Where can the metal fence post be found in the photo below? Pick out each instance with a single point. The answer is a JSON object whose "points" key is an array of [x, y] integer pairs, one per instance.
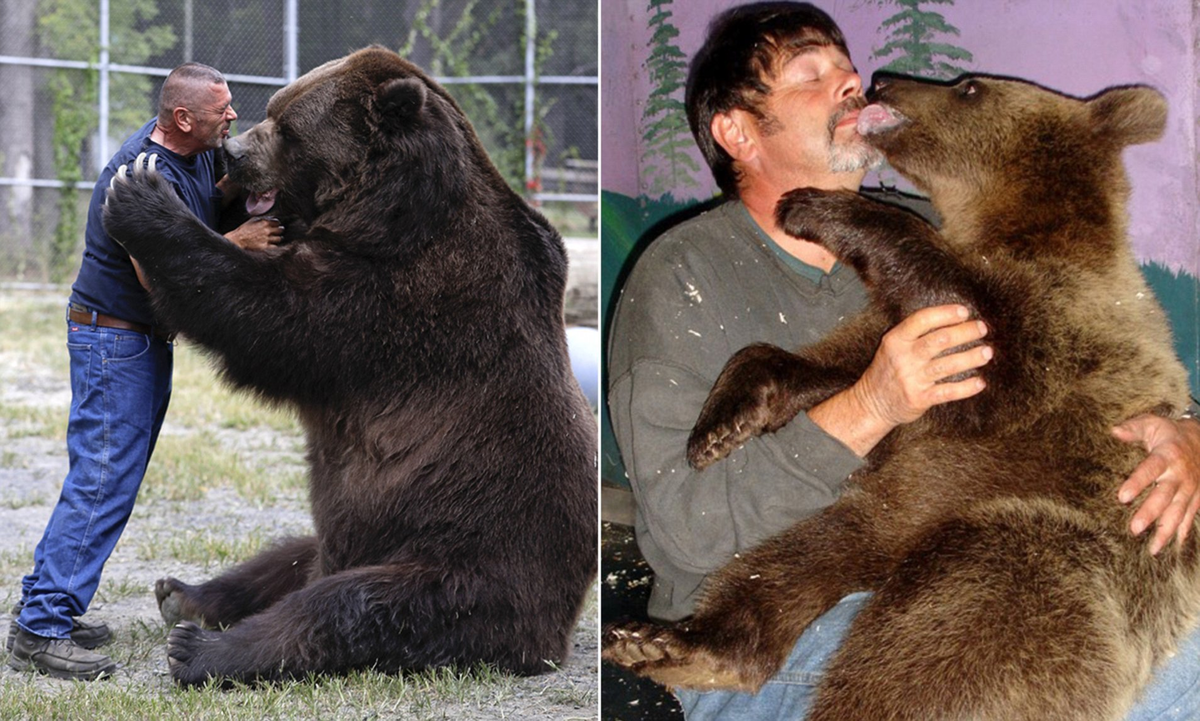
{"points": [[291, 30], [102, 141], [530, 62]]}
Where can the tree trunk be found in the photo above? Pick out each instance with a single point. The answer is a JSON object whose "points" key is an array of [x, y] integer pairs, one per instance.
{"points": [[17, 18]]}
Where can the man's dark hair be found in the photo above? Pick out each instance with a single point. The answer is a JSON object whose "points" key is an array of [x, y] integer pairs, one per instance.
{"points": [[745, 47], [181, 87]]}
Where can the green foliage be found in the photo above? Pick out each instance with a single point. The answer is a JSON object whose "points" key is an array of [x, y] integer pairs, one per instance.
{"points": [[67, 29], [911, 44], [500, 126], [667, 164]]}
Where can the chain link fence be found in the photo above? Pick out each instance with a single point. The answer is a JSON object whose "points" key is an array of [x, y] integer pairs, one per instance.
{"points": [[78, 76]]}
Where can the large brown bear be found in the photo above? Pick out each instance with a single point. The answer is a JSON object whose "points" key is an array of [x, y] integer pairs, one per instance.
{"points": [[1007, 585], [413, 319]]}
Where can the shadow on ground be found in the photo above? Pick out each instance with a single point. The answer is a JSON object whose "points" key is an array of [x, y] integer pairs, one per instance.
{"points": [[623, 595]]}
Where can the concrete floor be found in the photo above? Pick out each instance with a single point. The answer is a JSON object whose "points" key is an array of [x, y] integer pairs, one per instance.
{"points": [[624, 591]]}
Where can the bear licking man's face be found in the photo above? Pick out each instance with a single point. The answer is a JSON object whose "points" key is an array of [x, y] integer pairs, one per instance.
{"points": [[414, 323], [277, 162], [1006, 582]]}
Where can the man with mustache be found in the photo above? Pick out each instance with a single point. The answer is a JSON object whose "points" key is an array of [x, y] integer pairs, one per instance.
{"points": [[773, 100], [121, 365]]}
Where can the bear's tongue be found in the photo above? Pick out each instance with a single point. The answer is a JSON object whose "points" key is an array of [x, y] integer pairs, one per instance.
{"points": [[260, 203], [876, 118]]}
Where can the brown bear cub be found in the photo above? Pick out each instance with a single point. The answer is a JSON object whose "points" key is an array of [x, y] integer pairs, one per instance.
{"points": [[1007, 585], [413, 318]]}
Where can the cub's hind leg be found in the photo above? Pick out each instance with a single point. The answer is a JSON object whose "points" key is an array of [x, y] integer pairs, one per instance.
{"points": [[996, 618], [755, 608]]}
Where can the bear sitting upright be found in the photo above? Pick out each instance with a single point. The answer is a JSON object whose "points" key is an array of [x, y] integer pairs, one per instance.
{"points": [[1007, 585], [414, 320]]}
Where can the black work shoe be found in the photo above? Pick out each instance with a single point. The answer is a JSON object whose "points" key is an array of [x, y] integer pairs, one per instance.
{"points": [[83, 634], [58, 657]]}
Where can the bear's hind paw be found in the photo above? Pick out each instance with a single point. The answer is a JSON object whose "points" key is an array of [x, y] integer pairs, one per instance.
{"points": [[667, 657]]}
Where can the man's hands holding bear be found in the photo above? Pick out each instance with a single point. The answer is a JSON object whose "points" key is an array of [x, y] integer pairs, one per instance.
{"points": [[1172, 473], [903, 380], [257, 233]]}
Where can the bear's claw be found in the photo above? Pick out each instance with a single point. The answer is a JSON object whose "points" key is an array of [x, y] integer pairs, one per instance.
{"points": [[667, 656]]}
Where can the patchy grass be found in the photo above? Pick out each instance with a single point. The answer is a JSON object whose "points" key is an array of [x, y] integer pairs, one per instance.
{"points": [[206, 549]]}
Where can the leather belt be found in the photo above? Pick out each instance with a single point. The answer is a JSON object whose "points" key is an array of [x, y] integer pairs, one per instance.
{"points": [[83, 317]]}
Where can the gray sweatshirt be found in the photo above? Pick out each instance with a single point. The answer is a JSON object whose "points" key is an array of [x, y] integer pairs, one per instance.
{"points": [[699, 293]]}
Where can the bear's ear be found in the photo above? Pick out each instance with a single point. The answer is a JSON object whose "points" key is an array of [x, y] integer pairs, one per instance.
{"points": [[1129, 115], [400, 100]]}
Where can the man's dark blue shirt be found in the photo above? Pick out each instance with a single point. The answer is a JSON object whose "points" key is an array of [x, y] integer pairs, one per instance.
{"points": [[107, 282]]}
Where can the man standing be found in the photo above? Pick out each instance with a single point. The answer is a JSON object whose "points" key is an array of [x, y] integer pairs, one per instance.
{"points": [[773, 100], [121, 364]]}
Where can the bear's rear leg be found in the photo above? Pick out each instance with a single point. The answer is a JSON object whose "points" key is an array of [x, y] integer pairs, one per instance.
{"points": [[670, 656], [400, 616], [755, 608], [245, 589], [997, 619]]}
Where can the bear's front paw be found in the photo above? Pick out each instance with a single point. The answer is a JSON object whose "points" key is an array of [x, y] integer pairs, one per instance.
{"points": [[173, 601], [749, 398], [141, 206], [667, 656], [817, 215]]}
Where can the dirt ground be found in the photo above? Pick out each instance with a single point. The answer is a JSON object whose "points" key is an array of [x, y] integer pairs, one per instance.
{"points": [[31, 471]]}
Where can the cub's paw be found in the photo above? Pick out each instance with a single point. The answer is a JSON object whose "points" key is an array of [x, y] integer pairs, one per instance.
{"points": [[750, 398], [187, 648], [667, 656], [173, 601], [817, 215]]}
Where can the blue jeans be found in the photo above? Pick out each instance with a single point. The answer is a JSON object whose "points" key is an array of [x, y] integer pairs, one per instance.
{"points": [[120, 387], [1173, 693]]}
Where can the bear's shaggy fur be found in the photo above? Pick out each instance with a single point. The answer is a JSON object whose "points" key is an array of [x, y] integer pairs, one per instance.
{"points": [[1007, 584], [413, 319]]}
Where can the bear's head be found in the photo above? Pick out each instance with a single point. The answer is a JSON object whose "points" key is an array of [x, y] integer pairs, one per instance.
{"points": [[371, 125], [985, 136]]}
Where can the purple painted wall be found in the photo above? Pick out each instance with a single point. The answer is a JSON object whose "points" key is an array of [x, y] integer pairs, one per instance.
{"points": [[1076, 46]]}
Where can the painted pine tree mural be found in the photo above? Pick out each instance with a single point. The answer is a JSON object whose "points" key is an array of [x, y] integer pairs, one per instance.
{"points": [[666, 164], [912, 42]]}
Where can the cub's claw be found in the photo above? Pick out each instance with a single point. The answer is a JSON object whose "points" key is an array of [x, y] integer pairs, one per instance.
{"points": [[667, 656], [750, 398]]}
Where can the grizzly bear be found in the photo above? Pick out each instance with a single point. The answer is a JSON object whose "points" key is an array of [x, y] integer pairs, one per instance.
{"points": [[413, 319], [1006, 583]]}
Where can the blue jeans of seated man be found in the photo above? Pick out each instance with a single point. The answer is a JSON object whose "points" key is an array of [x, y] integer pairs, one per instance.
{"points": [[120, 387], [1172, 695]]}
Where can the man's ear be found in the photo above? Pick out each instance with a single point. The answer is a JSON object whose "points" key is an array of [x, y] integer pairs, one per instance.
{"points": [[182, 120], [730, 131]]}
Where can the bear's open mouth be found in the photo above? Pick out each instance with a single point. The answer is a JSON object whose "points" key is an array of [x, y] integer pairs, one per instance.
{"points": [[260, 203], [878, 118]]}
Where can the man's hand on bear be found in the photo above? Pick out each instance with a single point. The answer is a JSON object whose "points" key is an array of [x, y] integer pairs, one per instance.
{"points": [[257, 234], [907, 377], [1171, 471]]}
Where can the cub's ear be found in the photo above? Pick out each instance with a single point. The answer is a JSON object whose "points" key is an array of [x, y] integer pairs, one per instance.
{"points": [[1129, 115], [400, 100]]}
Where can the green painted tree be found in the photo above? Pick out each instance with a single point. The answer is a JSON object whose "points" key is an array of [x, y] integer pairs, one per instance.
{"points": [[912, 45], [666, 164]]}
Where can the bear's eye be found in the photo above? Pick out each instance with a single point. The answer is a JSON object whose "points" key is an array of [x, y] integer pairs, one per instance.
{"points": [[969, 89]]}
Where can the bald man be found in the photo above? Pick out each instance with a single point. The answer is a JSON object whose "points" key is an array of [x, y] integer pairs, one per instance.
{"points": [[121, 363]]}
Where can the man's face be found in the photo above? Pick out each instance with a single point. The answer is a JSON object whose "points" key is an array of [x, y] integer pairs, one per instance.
{"points": [[212, 116], [809, 129]]}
